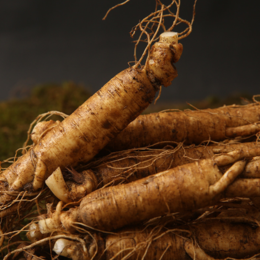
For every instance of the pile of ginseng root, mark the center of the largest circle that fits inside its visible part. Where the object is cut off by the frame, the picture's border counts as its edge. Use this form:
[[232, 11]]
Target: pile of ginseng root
[[109, 183], [172, 185]]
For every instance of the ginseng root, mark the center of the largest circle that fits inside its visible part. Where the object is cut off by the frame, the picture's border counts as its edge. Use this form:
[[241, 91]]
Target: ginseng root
[[85, 132], [181, 189], [210, 239], [191, 127], [184, 188], [128, 166]]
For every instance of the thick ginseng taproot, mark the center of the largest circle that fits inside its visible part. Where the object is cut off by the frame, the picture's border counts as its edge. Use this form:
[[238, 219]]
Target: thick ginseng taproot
[[129, 166], [181, 189], [135, 165], [86, 131], [191, 127]]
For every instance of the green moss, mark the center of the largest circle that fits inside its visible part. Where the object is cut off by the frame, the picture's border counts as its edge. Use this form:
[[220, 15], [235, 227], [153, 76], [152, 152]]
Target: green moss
[[17, 114]]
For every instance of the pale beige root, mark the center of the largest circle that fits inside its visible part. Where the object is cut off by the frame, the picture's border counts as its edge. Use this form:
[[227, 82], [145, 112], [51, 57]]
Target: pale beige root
[[58, 186], [191, 127], [14, 218], [76, 138], [228, 178], [34, 234], [244, 130], [58, 220], [39, 175], [238, 154], [71, 191], [63, 247], [184, 188], [70, 248], [26, 174]]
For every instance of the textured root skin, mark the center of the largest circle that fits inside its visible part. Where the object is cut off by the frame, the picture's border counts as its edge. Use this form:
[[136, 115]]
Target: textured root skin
[[215, 239], [160, 68], [118, 171], [124, 171], [184, 188], [189, 126], [76, 138], [233, 239], [41, 128], [140, 164]]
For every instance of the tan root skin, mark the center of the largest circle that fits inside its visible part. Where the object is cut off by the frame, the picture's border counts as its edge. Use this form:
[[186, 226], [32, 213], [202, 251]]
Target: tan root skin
[[211, 239], [183, 188], [140, 164], [76, 138], [191, 127]]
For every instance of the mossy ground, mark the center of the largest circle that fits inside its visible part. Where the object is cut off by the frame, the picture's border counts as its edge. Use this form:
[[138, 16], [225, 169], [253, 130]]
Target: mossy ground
[[16, 115]]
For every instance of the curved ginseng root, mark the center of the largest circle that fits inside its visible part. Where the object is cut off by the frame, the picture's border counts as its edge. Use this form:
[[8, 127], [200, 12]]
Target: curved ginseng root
[[181, 189], [210, 239], [191, 127], [184, 188], [85, 132], [128, 166], [72, 186]]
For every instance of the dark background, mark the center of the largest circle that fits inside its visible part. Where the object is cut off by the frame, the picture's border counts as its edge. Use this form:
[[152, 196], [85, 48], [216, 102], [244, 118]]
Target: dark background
[[45, 41]]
